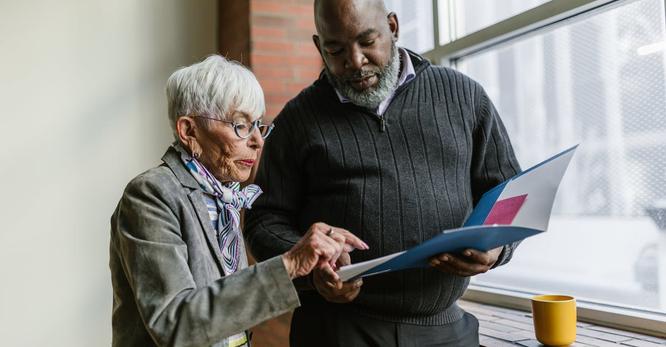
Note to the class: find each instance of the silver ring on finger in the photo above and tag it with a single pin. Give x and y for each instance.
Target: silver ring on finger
(330, 232)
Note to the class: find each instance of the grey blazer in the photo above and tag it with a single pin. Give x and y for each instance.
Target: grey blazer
(169, 288)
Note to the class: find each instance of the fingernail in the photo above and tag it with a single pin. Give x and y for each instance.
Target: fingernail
(468, 253)
(366, 245)
(434, 262)
(445, 258)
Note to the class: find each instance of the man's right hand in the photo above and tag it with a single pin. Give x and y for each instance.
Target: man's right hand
(329, 285)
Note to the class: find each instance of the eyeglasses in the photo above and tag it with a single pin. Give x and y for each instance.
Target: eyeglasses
(244, 129)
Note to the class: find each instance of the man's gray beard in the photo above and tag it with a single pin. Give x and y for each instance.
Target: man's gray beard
(372, 97)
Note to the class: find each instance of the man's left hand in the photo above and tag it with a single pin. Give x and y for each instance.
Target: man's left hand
(470, 263)
(331, 288)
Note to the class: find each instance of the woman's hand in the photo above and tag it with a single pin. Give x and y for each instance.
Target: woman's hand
(320, 248)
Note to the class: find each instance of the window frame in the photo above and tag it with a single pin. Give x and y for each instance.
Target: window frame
(533, 21)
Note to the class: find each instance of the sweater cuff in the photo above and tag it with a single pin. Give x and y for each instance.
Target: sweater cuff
(505, 255)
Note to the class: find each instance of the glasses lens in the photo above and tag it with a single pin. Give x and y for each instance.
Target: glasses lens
(243, 129)
(265, 130)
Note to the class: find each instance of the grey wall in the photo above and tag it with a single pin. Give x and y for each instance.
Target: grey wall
(82, 111)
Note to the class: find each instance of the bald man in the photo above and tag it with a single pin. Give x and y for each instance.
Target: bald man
(395, 150)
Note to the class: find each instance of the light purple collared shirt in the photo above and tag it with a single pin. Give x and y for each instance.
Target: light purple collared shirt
(407, 74)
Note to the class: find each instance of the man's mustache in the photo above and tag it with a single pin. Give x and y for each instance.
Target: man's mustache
(360, 75)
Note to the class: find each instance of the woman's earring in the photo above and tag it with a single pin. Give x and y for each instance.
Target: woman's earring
(196, 150)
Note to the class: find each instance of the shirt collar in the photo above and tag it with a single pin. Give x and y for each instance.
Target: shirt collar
(407, 74)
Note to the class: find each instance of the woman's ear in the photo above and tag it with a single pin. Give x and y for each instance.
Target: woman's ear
(187, 134)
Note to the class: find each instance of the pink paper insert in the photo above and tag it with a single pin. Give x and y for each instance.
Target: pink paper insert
(504, 211)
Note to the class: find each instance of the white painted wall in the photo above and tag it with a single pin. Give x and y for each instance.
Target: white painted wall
(82, 111)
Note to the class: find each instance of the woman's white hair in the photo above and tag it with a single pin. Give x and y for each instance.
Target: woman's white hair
(215, 87)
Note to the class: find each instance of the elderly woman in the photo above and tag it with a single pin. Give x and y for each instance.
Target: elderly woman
(177, 258)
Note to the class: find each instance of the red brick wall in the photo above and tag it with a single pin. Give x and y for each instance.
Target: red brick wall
(273, 38)
(282, 53)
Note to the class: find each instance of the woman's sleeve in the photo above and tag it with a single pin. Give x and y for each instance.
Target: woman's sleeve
(147, 240)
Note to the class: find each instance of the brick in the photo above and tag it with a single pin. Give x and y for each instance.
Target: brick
(303, 60)
(269, 7)
(272, 73)
(268, 21)
(272, 47)
(305, 23)
(259, 32)
(302, 35)
(308, 72)
(283, 8)
(303, 11)
(307, 46)
(274, 110)
(271, 85)
(268, 60)
(279, 100)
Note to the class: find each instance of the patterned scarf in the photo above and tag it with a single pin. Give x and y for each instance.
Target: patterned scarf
(230, 199)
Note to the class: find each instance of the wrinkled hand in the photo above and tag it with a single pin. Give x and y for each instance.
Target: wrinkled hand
(319, 248)
(472, 262)
(329, 285)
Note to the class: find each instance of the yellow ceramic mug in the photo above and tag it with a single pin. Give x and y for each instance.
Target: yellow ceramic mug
(554, 319)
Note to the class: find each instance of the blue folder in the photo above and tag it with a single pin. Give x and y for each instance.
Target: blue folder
(473, 234)
(481, 237)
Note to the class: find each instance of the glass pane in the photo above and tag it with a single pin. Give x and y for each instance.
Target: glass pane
(472, 15)
(599, 82)
(415, 19)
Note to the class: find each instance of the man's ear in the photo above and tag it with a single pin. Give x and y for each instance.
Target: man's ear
(392, 19)
(315, 40)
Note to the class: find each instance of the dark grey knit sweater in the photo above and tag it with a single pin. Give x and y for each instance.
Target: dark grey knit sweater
(394, 181)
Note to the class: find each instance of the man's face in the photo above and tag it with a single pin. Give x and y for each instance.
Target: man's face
(357, 42)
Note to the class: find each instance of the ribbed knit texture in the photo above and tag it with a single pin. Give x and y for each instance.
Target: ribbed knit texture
(442, 146)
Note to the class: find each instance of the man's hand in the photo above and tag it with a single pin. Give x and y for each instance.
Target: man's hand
(472, 262)
(329, 285)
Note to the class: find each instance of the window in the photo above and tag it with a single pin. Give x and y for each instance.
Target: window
(591, 82)
(416, 24)
(462, 17)
(595, 75)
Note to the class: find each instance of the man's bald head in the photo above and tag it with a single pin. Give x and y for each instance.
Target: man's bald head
(325, 9)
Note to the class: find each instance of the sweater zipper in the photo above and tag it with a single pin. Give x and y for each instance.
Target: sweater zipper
(382, 123)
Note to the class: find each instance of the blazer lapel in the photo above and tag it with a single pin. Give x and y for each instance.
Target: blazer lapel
(172, 159)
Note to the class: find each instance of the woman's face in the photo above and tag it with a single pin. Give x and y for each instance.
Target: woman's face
(227, 156)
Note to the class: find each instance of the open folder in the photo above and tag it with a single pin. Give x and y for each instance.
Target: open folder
(513, 210)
